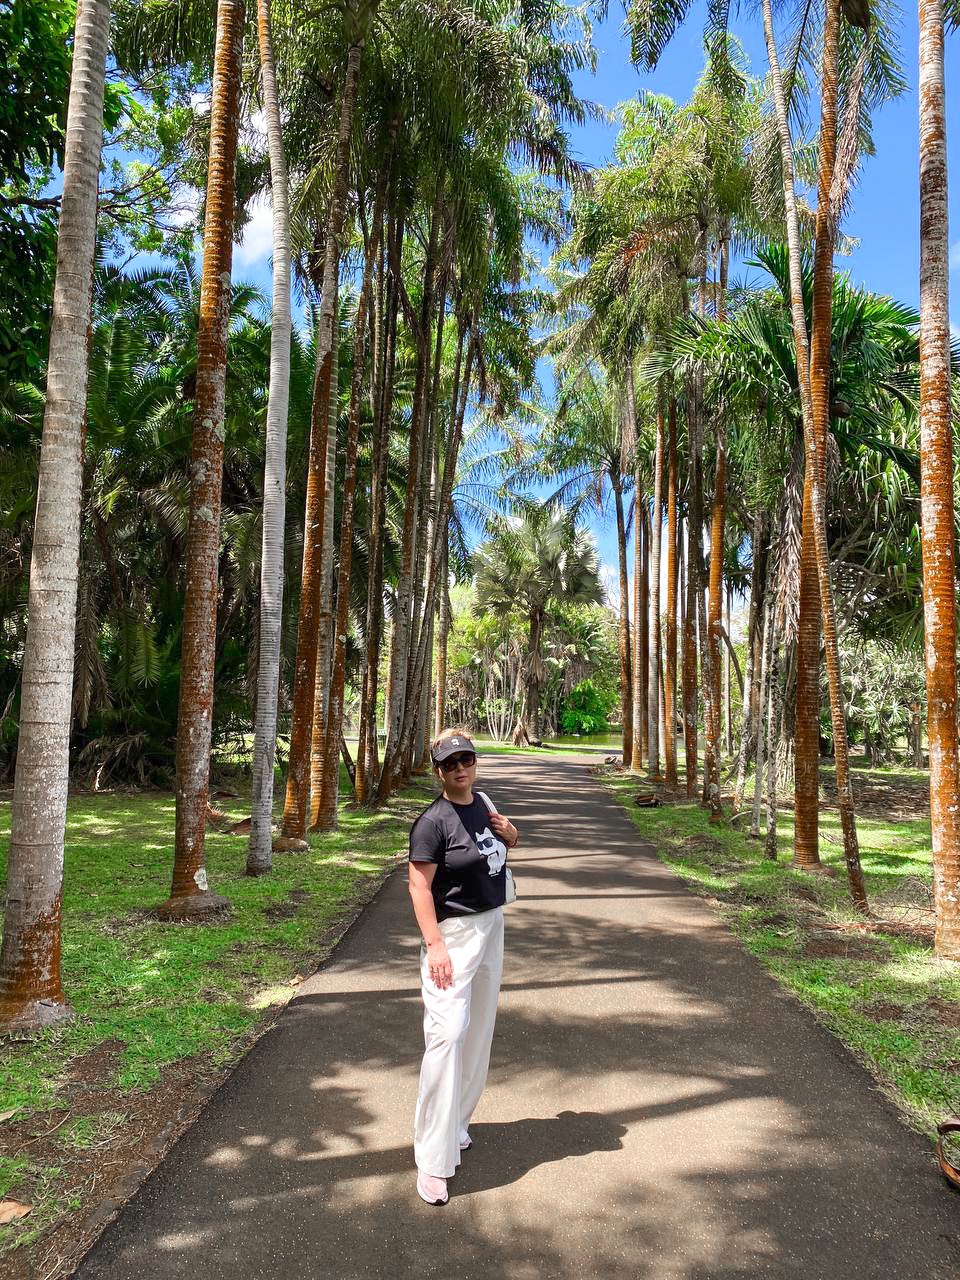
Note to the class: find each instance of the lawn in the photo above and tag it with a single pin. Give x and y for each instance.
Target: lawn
(159, 1006)
(880, 989)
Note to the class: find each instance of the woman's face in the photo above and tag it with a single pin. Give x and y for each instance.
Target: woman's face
(459, 771)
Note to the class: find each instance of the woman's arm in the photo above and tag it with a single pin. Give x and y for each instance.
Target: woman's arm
(421, 894)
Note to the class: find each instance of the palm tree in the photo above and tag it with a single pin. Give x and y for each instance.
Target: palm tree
(525, 567)
(318, 518)
(31, 990)
(260, 851)
(936, 487)
(584, 447)
(190, 894)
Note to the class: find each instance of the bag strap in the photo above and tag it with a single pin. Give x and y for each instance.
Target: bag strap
(487, 801)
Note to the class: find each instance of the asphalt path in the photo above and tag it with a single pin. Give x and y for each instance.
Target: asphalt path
(656, 1107)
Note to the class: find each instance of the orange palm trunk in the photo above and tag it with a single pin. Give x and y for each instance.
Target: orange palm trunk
(189, 894)
(936, 488)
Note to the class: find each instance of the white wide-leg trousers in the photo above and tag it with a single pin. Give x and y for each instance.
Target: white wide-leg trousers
(457, 1030)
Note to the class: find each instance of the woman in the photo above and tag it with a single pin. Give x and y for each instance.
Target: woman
(458, 883)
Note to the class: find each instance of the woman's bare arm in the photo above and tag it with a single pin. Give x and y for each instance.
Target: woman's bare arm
(421, 894)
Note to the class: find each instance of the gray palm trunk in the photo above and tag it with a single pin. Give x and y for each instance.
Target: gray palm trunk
(260, 849)
(325, 640)
(31, 991)
(653, 649)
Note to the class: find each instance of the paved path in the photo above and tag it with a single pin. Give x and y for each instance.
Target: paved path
(656, 1108)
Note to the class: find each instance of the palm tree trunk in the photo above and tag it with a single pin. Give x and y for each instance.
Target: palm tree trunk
(670, 672)
(763, 725)
(653, 651)
(774, 710)
(638, 655)
(189, 894)
(727, 686)
(323, 669)
(325, 803)
(750, 718)
(807, 715)
(690, 692)
(367, 761)
(324, 404)
(260, 848)
(31, 988)
(715, 588)
(806, 731)
(626, 671)
(816, 448)
(403, 618)
(936, 487)
(642, 517)
(443, 634)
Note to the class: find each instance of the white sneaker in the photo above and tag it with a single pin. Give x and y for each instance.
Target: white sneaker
(431, 1189)
(466, 1142)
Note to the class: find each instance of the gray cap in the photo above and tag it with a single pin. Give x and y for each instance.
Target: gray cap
(450, 746)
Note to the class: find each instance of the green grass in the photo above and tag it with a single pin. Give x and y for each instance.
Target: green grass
(877, 1004)
(160, 993)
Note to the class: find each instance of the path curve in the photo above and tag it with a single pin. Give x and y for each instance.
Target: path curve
(656, 1108)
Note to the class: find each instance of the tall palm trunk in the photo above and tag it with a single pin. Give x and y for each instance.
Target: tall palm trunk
(638, 656)
(626, 669)
(715, 588)
(325, 804)
(936, 487)
(31, 990)
(670, 629)
(323, 669)
(759, 551)
(443, 635)
(324, 404)
(727, 684)
(260, 849)
(403, 606)
(653, 652)
(642, 515)
(815, 449)
(189, 894)
(367, 756)
(806, 748)
(690, 693)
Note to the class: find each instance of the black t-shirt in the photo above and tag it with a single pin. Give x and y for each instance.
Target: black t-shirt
(471, 860)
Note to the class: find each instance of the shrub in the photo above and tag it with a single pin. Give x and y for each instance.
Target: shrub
(586, 708)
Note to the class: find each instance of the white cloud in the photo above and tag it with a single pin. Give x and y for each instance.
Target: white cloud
(955, 331)
(256, 244)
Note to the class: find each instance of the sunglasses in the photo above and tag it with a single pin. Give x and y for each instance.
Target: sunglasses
(468, 759)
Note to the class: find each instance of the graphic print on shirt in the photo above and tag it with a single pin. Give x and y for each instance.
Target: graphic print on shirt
(492, 849)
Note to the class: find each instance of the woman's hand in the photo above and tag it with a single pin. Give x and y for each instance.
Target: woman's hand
(438, 960)
(505, 829)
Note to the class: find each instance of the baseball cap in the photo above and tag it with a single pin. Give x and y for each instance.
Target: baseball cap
(450, 747)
